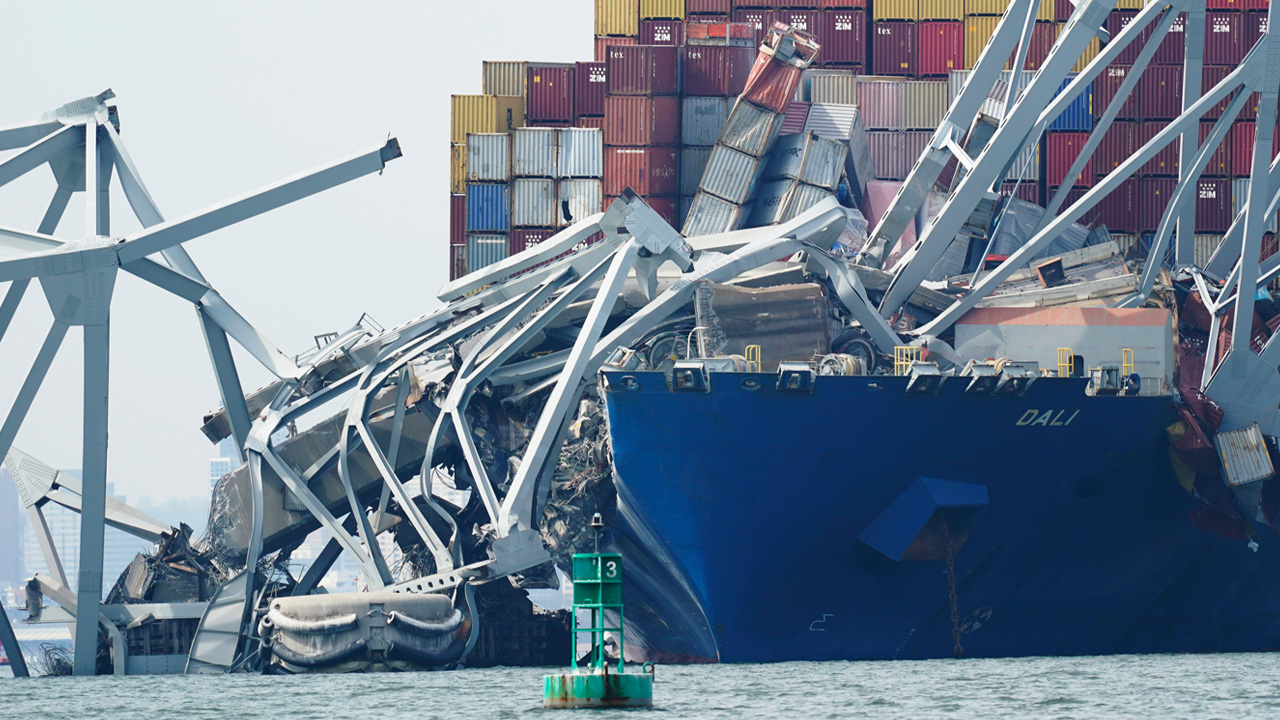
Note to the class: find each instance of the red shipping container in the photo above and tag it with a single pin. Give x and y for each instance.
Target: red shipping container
(803, 20)
(1153, 197)
(646, 170)
(704, 32)
(1104, 91)
(843, 37)
(793, 4)
(638, 121)
(591, 80)
(772, 83)
(1223, 38)
(1220, 162)
(941, 48)
(843, 4)
(522, 238)
(761, 20)
(708, 7)
(1061, 150)
(1211, 76)
(1160, 93)
(1116, 147)
(893, 48)
(1173, 49)
(604, 43)
(457, 219)
(1117, 210)
(717, 70)
(661, 32)
(1117, 21)
(1256, 4)
(1165, 163)
(644, 70)
(1242, 136)
(597, 122)
(549, 93)
(1214, 211)
(1043, 35)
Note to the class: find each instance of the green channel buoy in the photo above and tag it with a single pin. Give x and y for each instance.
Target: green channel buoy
(597, 586)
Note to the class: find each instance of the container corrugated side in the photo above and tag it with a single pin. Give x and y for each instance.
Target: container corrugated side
(581, 153)
(793, 122)
(648, 171)
(1213, 205)
(1153, 198)
(708, 7)
(730, 175)
(550, 91)
(661, 9)
(525, 238)
(709, 215)
(638, 121)
(941, 10)
(662, 32)
(485, 114)
(533, 202)
(913, 144)
(604, 43)
(591, 79)
(484, 249)
(533, 152)
(1079, 114)
(644, 70)
(693, 162)
(843, 37)
(583, 199)
(1205, 246)
(1090, 52)
(924, 104)
(488, 207)
(1244, 454)
(771, 202)
(1044, 13)
(702, 119)
(895, 48)
(1240, 196)
(458, 219)
(887, 154)
(751, 129)
(835, 88)
(895, 10)
(803, 198)
(1220, 162)
(941, 48)
(978, 30)
(458, 169)
(488, 158)
(1224, 38)
(457, 261)
(808, 158)
(617, 17)
(504, 77)
(880, 102)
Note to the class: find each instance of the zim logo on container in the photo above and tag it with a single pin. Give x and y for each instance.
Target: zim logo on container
(1047, 418)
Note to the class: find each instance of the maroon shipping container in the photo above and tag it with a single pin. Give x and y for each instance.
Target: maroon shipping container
(716, 70)
(1062, 10)
(1214, 211)
(591, 80)
(549, 93)
(1225, 4)
(644, 70)
(772, 83)
(1105, 87)
(604, 43)
(1116, 22)
(793, 122)
(595, 121)
(457, 219)
(1154, 194)
(1173, 48)
(843, 4)
(1223, 38)
(522, 238)
(843, 37)
(646, 170)
(708, 7)
(1253, 25)
(1159, 93)
(1116, 147)
(941, 48)
(1242, 136)
(662, 32)
(1043, 35)
(1061, 150)
(1118, 210)
(761, 20)
(1256, 4)
(792, 4)
(1211, 76)
(1165, 163)
(457, 261)
(1028, 191)
(803, 20)
(1220, 162)
(893, 48)
(637, 121)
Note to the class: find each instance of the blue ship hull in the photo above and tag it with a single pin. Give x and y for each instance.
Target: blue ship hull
(772, 520)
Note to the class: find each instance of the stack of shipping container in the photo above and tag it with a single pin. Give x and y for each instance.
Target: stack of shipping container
(663, 84)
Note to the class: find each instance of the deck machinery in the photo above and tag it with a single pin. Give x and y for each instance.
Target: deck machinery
(527, 336)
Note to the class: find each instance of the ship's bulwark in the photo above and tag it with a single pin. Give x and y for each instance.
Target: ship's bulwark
(1086, 546)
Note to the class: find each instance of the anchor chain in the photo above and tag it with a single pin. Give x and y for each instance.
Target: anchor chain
(951, 588)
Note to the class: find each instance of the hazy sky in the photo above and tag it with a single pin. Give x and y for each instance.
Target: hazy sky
(220, 98)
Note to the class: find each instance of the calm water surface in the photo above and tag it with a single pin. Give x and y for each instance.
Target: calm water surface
(1231, 687)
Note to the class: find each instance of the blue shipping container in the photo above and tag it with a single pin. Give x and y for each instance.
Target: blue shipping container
(1078, 116)
(488, 207)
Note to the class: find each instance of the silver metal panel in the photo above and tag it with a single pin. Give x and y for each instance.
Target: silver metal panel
(751, 129)
(804, 198)
(693, 162)
(488, 157)
(581, 153)
(730, 175)
(833, 88)
(1244, 455)
(533, 203)
(583, 199)
(709, 215)
(702, 119)
(533, 152)
(924, 104)
(485, 249)
(505, 77)
(807, 158)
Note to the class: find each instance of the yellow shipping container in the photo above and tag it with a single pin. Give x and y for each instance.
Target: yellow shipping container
(661, 9)
(941, 10)
(485, 114)
(1129, 4)
(504, 78)
(618, 17)
(997, 7)
(458, 169)
(895, 10)
(977, 31)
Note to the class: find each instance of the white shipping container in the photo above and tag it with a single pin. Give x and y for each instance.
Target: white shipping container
(924, 104)
(533, 152)
(580, 199)
(485, 249)
(730, 175)
(702, 119)
(693, 162)
(488, 158)
(709, 215)
(751, 129)
(839, 89)
(581, 153)
(533, 203)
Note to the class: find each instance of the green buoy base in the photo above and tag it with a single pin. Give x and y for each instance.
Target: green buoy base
(585, 690)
